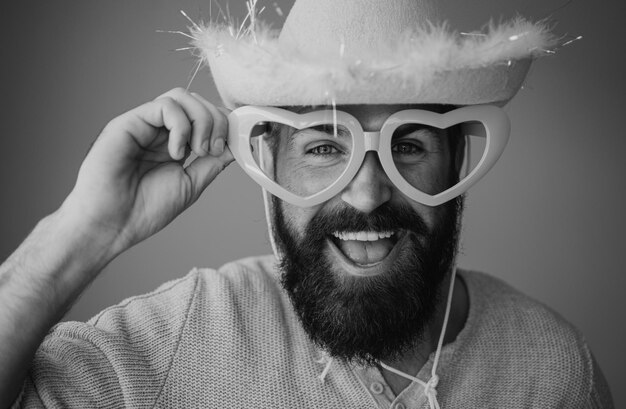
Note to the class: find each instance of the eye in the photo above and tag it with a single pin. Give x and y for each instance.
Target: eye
(322, 150)
(407, 148)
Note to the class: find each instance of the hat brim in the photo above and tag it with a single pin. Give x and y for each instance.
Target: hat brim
(440, 67)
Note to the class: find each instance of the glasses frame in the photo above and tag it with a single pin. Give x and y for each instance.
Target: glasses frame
(494, 120)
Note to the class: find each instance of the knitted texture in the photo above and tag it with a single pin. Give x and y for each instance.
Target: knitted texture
(230, 339)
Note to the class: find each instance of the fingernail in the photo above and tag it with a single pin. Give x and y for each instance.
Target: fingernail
(218, 146)
(205, 146)
(181, 153)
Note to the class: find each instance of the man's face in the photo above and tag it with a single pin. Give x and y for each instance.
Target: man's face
(363, 269)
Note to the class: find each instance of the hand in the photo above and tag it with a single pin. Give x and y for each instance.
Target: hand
(133, 183)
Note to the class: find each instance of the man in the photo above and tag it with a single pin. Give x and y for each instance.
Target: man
(366, 261)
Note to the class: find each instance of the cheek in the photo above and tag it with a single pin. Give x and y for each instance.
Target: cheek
(430, 172)
(306, 179)
(298, 218)
(302, 180)
(431, 178)
(430, 215)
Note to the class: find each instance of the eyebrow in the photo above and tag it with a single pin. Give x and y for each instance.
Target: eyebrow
(407, 129)
(341, 130)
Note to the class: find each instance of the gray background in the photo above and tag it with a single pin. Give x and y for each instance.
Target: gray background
(548, 219)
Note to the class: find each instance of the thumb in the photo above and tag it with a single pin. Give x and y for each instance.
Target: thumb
(204, 169)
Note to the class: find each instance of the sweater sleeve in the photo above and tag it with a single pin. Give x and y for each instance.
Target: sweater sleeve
(119, 358)
(599, 394)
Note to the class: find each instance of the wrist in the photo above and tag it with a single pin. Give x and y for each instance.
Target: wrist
(98, 235)
(90, 244)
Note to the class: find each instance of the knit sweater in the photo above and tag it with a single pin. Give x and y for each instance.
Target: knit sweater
(230, 339)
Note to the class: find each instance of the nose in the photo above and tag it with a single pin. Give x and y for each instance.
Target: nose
(370, 187)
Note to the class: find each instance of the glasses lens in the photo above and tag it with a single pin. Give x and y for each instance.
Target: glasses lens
(430, 159)
(302, 161)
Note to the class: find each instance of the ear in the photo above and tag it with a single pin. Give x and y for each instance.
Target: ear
(267, 157)
(457, 150)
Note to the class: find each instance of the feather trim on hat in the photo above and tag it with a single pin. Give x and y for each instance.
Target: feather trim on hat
(253, 69)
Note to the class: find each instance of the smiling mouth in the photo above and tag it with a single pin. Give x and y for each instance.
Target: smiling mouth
(361, 252)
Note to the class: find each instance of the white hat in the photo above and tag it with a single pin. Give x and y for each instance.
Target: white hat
(369, 52)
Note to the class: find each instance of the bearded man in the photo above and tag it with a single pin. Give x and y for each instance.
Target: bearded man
(355, 121)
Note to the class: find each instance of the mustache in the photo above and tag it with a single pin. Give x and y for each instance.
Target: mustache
(384, 218)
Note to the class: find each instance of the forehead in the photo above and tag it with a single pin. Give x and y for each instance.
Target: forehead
(372, 117)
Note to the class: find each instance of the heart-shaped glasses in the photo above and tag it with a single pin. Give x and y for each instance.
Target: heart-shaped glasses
(306, 159)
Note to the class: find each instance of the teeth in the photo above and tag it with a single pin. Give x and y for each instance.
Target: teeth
(363, 235)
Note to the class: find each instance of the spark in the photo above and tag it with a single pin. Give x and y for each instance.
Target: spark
(176, 32)
(278, 10)
(243, 23)
(571, 41)
(473, 34)
(195, 72)
(553, 11)
(334, 117)
(220, 9)
(197, 27)
(252, 13)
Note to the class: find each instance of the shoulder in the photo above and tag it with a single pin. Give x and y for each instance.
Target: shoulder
(173, 301)
(137, 341)
(258, 273)
(233, 297)
(525, 348)
(509, 313)
(156, 319)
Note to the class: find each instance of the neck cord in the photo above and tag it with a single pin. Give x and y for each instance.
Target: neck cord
(430, 387)
(266, 202)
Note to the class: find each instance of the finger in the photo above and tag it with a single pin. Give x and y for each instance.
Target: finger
(200, 117)
(219, 132)
(177, 141)
(142, 125)
(203, 170)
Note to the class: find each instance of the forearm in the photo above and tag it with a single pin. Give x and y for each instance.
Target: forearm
(131, 184)
(38, 284)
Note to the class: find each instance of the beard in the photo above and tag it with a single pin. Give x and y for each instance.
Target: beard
(364, 320)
